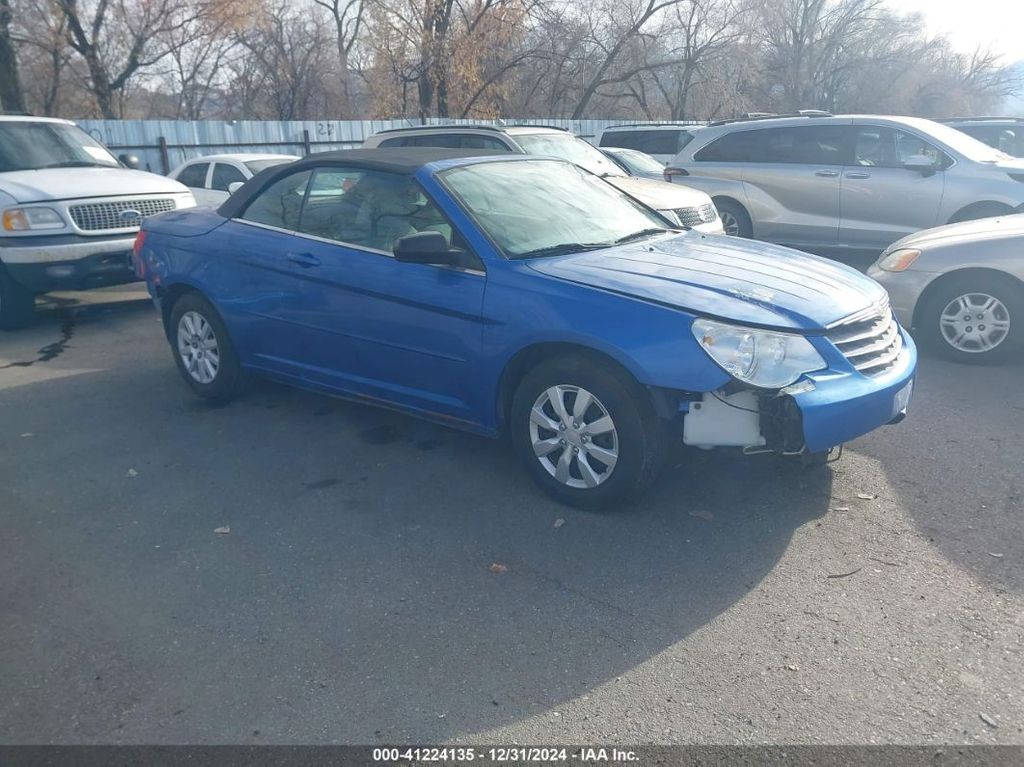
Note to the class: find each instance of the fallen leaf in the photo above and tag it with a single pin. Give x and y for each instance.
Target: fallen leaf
(559, 522)
(993, 554)
(222, 530)
(132, 473)
(987, 719)
(702, 514)
(867, 496)
(497, 567)
(792, 667)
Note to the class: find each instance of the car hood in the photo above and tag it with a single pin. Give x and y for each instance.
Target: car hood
(748, 282)
(659, 195)
(963, 233)
(50, 184)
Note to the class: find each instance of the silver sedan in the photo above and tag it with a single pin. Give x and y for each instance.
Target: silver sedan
(961, 287)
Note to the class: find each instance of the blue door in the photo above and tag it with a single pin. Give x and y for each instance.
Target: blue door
(370, 325)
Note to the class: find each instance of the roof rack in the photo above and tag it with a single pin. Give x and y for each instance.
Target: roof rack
(682, 124)
(497, 129)
(536, 125)
(755, 116)
(979, 119)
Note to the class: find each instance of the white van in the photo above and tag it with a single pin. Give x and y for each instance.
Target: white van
(69, 211)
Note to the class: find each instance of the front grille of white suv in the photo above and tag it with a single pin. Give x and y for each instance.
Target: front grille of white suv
(870, 340)
(698, 214)
(101, 216)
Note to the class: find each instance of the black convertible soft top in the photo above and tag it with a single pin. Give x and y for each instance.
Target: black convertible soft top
(403, 160)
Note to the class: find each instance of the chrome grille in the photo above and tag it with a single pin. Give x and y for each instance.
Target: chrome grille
(696, 215)
(871, 342)
(98, 216)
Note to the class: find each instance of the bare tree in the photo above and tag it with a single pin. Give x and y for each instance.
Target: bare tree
(347, 16)
(117, 38)
(11, 97)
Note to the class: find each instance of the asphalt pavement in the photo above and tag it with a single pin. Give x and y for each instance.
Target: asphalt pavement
(290, 568)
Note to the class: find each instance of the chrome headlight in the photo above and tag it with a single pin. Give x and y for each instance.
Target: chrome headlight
(33, 218)
(762, 358)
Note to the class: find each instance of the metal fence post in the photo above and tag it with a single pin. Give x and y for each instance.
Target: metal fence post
(306, 142)
(165, 158)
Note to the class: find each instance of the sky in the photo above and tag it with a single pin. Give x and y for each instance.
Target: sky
(969, 23)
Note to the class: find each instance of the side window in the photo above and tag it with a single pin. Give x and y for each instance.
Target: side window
(471, 141)
(393, 142)
(194, 175)
(622, 139)
(370, 209)
(805, 145)
(741, 146)
(658, 141)
(874, 147)
(908, 145)
(280, 204)
(446, 140)
(223, 175)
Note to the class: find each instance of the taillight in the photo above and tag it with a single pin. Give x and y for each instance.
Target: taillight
(669, 173)
(140, 265)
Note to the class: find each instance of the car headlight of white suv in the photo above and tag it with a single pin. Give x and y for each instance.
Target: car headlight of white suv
(763, 358)
(32, 218)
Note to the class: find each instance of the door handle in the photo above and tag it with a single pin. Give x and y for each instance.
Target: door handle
(305, 260)
(858, 174)
(826, 173)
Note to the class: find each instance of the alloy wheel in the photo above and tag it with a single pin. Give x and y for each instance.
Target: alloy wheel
(975, 323)
(197, 347)
(573, 436)
(730, 223)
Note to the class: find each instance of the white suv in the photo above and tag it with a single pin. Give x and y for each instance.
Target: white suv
(681, 205)
(69, 212)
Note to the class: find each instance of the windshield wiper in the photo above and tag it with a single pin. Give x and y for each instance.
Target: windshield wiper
(641, 234)
(562, 249)
(77, 164)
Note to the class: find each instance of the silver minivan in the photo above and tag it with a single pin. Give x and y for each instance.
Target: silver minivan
(846, 182)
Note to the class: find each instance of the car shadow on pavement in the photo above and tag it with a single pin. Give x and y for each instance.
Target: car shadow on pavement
(294, 568)
(955, 464)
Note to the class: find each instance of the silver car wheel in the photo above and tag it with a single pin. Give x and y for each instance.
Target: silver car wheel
(730, 223)
(975, 323)
(573, 436)
(197, 347)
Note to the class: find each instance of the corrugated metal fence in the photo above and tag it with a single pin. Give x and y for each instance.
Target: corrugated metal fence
(163, 144)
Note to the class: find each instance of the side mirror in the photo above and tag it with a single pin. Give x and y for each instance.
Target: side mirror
(426, 248)
(129, 161)
(234, 186)
(921, 163)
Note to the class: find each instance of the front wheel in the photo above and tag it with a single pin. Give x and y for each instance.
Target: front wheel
(735, 219)
(977, 319)
(586, 433)
(202, 349)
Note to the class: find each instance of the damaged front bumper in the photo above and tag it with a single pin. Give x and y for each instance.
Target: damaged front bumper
(821, 411)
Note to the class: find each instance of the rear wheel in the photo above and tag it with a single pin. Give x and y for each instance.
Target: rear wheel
(17, 303)
(735, 220)
(203, 350)
(976, 319)
(586, 433)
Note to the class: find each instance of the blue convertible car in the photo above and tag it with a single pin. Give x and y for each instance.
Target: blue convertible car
(525, 296)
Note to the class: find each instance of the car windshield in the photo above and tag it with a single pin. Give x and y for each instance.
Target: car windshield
(639, 162)
(534, 208)
(28, 145)
(565, 146)
(968, 146)
(255, 166)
